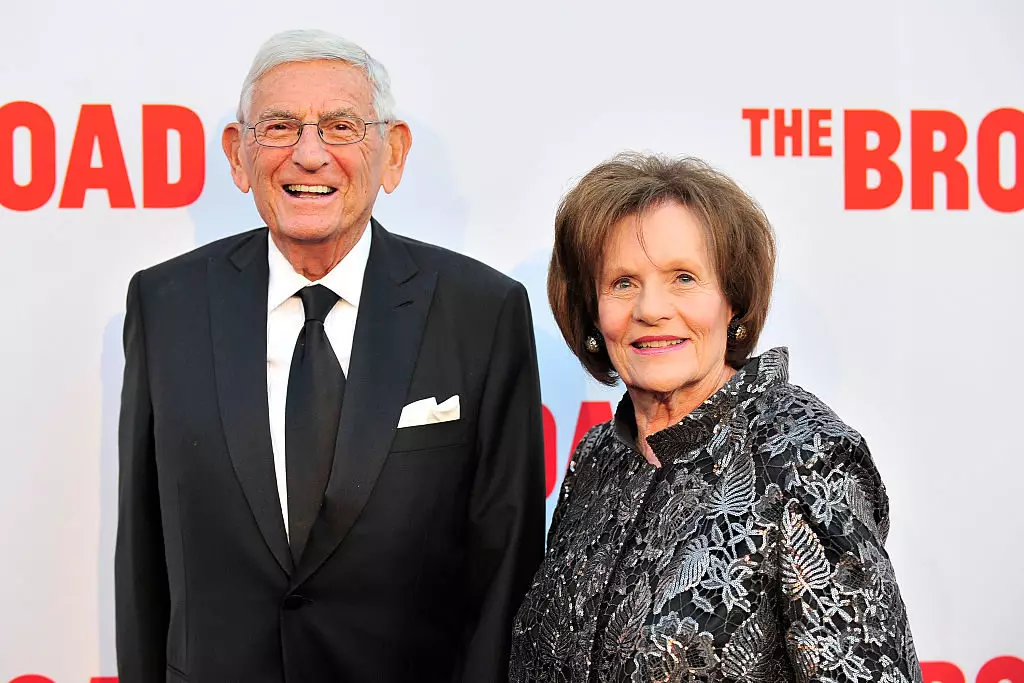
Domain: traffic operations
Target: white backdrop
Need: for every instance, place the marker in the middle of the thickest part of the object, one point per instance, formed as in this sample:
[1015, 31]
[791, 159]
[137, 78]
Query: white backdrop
[906, 321]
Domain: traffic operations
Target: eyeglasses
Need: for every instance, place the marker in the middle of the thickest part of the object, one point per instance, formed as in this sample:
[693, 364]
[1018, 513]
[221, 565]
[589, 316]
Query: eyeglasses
[338, 130]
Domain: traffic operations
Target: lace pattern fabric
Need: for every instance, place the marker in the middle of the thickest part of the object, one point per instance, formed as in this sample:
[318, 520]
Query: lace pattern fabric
[754, 554]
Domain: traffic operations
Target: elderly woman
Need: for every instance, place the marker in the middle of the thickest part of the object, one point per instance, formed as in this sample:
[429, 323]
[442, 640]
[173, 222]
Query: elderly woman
[726, 525]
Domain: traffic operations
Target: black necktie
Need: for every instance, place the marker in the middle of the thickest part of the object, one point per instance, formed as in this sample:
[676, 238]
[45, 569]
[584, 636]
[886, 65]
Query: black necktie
[316, 384]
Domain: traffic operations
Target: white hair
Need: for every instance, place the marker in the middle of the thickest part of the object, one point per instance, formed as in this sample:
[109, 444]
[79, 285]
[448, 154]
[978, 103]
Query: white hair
[308, 45]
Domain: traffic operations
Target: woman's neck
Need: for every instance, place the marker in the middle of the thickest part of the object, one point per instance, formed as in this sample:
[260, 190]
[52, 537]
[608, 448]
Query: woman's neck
[655, 411]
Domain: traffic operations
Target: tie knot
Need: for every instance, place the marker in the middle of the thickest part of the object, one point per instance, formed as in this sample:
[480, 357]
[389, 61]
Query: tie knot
[317, 301]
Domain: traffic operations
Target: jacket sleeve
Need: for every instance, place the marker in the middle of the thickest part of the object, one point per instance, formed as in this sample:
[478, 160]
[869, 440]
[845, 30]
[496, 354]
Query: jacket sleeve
[843, 615]
[507, 506]
[140, 573]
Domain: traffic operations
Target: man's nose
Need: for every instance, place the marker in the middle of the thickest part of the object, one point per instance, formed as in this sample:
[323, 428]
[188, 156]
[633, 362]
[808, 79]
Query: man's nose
[310, 151]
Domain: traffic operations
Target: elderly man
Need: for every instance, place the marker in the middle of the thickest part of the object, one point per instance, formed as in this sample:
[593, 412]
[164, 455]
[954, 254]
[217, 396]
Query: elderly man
[331, 458]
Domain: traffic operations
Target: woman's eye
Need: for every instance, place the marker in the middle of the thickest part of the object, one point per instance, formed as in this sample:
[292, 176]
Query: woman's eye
[684, 278]
[621, 284]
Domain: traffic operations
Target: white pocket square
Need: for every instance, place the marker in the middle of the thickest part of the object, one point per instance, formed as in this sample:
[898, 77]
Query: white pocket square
[428, 411]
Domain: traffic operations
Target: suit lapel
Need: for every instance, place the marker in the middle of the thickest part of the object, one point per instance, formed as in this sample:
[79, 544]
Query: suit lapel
[238, 320]
[393, 309]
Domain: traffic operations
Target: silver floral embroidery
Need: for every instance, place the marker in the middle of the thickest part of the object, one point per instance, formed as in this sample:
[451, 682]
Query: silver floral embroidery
[756, 554]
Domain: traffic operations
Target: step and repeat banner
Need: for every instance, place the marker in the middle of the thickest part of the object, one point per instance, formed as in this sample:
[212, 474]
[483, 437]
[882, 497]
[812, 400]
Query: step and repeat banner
[885, 141]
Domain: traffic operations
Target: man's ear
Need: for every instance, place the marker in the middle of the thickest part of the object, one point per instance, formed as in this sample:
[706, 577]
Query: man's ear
[398, 144]
[231, 140]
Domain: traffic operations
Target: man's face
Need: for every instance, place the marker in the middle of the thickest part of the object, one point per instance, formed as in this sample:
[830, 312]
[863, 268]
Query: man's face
[314, 192]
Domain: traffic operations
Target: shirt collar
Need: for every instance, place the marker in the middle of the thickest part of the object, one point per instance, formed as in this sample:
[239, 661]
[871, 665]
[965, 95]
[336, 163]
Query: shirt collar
[345, 279]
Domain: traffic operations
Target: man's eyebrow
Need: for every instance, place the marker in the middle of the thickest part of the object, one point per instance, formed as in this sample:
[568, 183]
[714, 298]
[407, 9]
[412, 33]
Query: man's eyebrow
[340, 113]
[285, 114]
[275, 114]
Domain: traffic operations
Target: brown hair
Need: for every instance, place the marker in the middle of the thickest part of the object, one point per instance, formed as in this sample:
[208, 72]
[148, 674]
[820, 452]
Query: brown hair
[740, 241]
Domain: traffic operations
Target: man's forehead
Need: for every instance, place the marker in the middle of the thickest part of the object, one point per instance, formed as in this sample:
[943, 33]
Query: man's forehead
[286, 110]
[320, 88]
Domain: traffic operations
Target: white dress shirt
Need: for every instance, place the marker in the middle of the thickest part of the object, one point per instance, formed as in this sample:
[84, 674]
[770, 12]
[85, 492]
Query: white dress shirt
[285, 318]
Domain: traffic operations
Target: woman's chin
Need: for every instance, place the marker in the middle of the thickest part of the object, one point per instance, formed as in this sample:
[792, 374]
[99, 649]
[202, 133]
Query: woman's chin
[661, 385]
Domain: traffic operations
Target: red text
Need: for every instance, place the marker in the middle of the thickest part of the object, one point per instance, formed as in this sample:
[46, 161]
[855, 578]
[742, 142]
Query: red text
[998, 670]
[97, 131]
[873, 180]
[591, 413]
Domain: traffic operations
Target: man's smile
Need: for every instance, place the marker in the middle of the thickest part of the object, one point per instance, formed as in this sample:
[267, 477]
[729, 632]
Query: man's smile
[309, 191]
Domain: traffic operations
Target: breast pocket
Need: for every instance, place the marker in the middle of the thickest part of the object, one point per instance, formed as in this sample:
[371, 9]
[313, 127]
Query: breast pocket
[423, 437]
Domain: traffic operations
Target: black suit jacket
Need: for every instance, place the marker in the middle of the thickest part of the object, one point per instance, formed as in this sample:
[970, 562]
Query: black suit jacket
[428, 536]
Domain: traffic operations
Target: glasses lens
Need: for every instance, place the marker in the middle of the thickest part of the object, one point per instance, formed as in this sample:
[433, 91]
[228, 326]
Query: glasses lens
[342, 130]
[277, 132]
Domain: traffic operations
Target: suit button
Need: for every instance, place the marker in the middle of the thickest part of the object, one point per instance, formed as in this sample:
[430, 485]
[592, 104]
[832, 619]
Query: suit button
[293, 602]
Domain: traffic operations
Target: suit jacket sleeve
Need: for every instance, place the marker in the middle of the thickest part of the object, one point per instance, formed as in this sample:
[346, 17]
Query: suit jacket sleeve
[140, 573]
[507, 507]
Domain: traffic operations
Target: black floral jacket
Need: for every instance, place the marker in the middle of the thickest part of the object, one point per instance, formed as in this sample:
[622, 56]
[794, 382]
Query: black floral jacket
[756, 553]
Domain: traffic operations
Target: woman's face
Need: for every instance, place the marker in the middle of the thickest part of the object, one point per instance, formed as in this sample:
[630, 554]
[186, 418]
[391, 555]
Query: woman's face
[661, 310]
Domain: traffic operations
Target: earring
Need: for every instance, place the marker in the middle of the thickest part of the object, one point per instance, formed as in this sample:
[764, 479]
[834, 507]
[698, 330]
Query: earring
[737, 331]
[591, 344]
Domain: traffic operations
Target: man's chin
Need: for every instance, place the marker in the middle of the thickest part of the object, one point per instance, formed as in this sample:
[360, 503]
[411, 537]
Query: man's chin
[308, 233]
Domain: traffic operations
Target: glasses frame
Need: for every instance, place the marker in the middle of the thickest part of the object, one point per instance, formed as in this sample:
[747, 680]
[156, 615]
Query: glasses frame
[319, 130]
